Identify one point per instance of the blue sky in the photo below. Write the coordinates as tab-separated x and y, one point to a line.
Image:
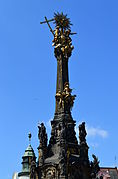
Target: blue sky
28	75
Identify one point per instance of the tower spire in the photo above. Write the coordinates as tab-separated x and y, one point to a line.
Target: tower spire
27	158
29	136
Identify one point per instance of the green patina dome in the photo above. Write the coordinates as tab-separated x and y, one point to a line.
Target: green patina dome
29	152
26	159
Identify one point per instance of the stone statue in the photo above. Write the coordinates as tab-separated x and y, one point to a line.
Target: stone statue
42	135
82	133
94	167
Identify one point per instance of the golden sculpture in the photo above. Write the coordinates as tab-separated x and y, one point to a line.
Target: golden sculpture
62	41
65	96
59	98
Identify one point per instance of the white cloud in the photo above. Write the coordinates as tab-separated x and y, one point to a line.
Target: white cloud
94	145
95	131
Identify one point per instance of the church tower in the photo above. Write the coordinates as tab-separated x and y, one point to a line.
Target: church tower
63	157
27	159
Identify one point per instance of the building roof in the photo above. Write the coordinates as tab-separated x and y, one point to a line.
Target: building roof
29	152
108	173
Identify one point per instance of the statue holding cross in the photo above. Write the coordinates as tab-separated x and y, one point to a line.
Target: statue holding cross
62	41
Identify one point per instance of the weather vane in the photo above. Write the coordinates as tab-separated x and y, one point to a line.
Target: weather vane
62	41
29	136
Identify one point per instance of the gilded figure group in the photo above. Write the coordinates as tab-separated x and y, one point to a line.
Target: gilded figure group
62	41
65	97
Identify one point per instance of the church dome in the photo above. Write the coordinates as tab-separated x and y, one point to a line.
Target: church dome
29	152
